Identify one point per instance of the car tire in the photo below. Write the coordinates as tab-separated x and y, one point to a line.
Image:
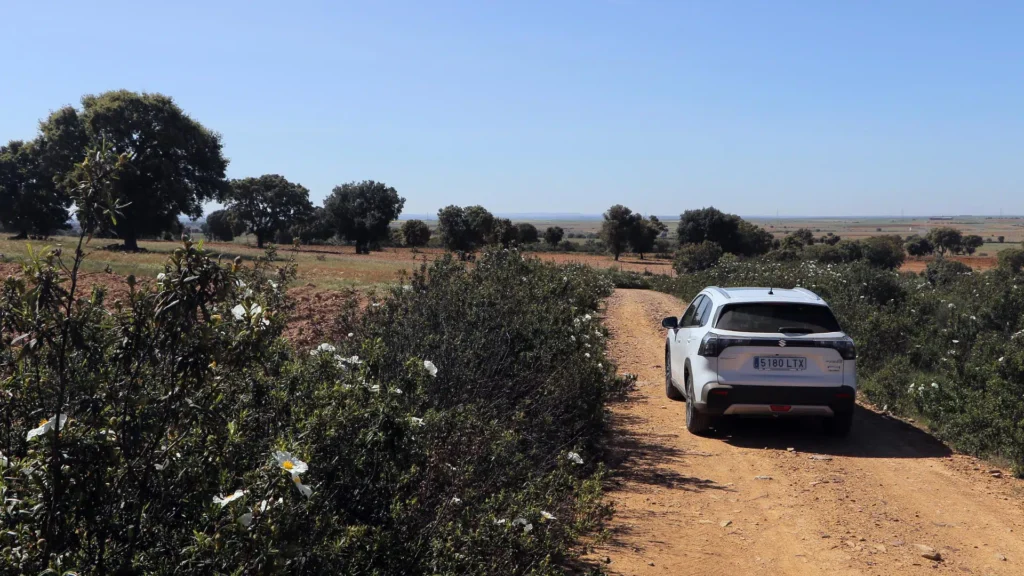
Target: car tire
839	425
671	391
697	422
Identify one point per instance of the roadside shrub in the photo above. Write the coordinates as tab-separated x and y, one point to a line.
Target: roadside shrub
884	251
823	253
454	431
1011	260
696	257
941	271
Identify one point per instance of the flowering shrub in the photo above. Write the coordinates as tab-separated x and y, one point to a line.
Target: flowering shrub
947	346
174	431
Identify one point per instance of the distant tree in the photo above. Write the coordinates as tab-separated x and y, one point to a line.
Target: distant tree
644	232
415	233
615	229
792	243
1001	239
481	223
971	243
830	239
697	257
884	251
1011	260
30	201
362	211
268	205
918	246
850	250
824	253
553	235
177	164
456	229
315	228
732	233
804	235
945	239
220	226
526	233
503	233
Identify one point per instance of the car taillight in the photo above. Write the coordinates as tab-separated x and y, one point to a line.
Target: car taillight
709	346
846	349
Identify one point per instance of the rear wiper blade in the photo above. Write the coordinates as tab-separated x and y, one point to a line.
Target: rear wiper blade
795	330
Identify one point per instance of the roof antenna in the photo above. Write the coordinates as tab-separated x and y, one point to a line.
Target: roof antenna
770	293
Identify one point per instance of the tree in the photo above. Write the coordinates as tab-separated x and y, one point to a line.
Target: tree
732	233
361	212
850	250
918	246
884	251
971	243
455	229
503	233
1001	239
268	205
553	235
792	243
830	239
481	224
177	163
415	233
697	257
220	225
615	229
644	232
30	202
945	239
526	233
804	235
316	228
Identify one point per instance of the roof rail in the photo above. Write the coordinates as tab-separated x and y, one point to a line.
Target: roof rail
720	291
806	291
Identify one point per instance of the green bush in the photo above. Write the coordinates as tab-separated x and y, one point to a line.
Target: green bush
1011	260
941	271
454	431
696	257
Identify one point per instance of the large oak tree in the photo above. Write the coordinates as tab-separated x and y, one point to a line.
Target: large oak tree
362	211
268	204
30	201
177	164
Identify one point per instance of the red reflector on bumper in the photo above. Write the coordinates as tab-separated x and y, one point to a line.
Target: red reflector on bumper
780	408
720	392
844	396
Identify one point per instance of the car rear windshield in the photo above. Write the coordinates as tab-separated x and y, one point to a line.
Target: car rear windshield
774	318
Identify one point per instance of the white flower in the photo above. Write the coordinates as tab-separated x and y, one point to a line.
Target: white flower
951	305
911	388
225	500
375	388
238	312
3	460
456	500
160	277
599	365
350	334
573	338
973	318
417	421
272	284
256	309
323	348
1001	358
289	463
574	458
397	391
245	519
956	341
500	521
302	488
935	385
587	354
522	522
430	367
354	360
586	318
547	515
45	426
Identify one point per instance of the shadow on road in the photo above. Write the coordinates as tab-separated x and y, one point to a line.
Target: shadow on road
649	458
873	436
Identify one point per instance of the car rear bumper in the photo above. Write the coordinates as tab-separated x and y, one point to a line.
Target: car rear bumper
777	400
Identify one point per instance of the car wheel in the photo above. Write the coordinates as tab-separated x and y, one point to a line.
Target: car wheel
697	422
671	391
839	425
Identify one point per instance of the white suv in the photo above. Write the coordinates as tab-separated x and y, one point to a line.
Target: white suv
760	351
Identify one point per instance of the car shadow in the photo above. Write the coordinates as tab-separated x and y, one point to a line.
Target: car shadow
873	436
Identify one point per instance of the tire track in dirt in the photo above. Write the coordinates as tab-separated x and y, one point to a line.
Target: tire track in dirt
691	505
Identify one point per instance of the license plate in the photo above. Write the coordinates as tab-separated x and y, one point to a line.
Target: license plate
781	363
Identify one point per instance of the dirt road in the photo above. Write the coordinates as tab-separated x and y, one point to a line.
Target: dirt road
778	497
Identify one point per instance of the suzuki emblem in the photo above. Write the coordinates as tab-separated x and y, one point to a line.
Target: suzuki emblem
782	343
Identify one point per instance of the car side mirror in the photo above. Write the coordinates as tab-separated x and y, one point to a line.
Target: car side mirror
671	322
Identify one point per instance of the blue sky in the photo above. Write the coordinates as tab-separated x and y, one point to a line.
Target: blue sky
806	108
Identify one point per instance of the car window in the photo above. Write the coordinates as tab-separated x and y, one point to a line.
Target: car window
767	317
691	312
704	312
